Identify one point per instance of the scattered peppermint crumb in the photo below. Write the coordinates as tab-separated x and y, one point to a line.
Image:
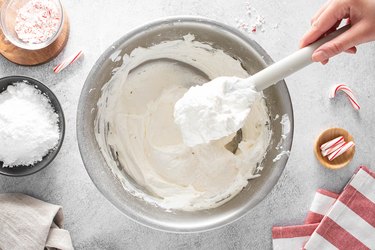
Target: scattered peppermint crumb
254	23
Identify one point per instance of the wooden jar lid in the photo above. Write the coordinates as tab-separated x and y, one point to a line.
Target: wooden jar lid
343	159
34	57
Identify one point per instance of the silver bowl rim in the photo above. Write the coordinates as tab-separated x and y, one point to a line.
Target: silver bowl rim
157	22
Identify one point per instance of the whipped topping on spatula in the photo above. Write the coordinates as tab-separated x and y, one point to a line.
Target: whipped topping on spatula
214	110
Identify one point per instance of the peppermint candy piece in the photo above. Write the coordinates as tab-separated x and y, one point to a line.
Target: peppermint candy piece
349	93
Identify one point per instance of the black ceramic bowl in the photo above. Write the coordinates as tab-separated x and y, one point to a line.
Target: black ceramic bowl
28	170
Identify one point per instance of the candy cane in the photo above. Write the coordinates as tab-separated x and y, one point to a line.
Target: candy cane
331	143
333	148
349	93
67	62
340	151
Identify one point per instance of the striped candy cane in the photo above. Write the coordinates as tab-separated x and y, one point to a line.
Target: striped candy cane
341	150
333	148
67	62
349	93
332	143
336	147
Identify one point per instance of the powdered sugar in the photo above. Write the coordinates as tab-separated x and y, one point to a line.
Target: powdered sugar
37	21
28	123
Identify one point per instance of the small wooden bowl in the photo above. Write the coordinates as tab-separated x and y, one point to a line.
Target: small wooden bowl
343	159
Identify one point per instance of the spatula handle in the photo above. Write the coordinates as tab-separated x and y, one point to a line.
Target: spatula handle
290	64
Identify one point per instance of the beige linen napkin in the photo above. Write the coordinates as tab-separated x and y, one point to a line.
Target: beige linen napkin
29	223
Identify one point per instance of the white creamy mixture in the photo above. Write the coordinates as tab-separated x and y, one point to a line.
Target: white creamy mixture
138	137
214	110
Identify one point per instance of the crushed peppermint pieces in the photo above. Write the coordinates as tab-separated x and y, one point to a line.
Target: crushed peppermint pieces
37	21
254	21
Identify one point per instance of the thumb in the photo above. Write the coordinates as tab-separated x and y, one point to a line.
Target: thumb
345	41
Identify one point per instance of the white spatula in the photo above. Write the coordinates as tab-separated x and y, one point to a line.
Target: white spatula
219	108
290	64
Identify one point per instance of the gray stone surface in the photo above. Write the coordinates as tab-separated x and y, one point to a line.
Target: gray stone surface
95	224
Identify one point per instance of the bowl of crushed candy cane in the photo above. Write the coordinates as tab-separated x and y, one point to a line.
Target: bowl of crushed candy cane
32	126
31	24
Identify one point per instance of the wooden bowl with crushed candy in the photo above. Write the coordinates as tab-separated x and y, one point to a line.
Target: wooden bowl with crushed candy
32	123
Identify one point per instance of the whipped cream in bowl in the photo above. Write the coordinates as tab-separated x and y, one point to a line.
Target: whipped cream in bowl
151	168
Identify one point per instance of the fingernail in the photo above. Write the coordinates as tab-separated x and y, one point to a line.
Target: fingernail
315	23
303	41
325	62
319	56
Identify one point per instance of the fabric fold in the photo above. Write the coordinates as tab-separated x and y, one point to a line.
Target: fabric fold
29	223
340	221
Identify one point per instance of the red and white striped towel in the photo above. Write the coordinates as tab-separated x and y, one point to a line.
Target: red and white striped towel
345	221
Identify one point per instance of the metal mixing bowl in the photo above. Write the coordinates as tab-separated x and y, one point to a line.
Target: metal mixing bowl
253	59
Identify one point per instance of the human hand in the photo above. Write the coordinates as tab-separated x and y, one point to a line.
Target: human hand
360	14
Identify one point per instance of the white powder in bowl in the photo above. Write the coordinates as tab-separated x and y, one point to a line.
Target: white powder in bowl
28	125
